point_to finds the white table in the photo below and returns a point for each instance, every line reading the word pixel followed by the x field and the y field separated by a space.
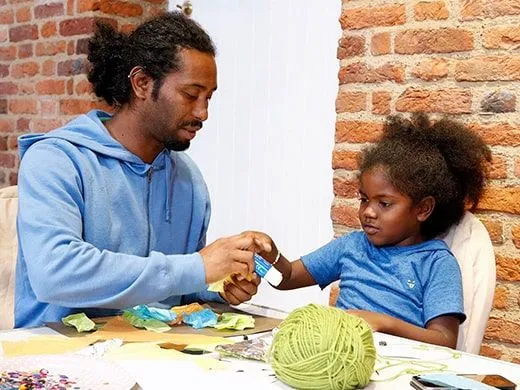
pixel 152 374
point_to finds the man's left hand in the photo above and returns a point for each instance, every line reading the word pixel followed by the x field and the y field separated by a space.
pixel 240 290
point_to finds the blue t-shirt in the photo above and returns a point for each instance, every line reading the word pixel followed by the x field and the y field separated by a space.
pixel 415 283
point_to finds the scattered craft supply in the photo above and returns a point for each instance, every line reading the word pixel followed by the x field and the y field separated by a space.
pixel 180 311
pixel 27 380
pixel 80 321
pixel 254 349
pixel 235 321
pixel 201 319
pixel 148 324
pixel 319 347
pixel 153 313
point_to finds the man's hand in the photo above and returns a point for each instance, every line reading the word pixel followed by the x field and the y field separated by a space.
pixel 262 244
pixel 239 291
pixel 228 256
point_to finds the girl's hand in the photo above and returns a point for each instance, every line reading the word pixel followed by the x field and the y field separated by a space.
pixel 376 321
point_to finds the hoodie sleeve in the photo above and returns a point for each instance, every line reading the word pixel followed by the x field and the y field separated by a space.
pixel 65 270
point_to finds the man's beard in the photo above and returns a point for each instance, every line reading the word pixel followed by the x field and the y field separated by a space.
pixel 176 145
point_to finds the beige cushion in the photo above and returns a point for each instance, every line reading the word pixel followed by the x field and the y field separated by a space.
pixel 8 254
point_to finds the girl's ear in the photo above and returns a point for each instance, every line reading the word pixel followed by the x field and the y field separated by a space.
pixel 425 208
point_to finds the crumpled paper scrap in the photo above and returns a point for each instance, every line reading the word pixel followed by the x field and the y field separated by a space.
pixel 146 312
pixel 201 319
pixel 148 324
pixel 219 286
pixel 181 311
pixel 235 321
pixel 80 321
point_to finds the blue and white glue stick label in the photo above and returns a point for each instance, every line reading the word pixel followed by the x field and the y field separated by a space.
pixel 265 270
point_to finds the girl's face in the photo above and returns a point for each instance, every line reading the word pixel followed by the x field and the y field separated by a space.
pixel 387 216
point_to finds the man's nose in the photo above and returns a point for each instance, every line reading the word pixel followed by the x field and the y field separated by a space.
pixel 201 111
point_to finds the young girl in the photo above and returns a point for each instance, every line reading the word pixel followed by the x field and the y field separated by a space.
pixel 414 184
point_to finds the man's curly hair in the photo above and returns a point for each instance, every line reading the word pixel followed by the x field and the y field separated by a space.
pixel 443 159
pixel 154 45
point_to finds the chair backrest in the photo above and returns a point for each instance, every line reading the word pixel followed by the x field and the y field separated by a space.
pixel 8 254
pixel 470 243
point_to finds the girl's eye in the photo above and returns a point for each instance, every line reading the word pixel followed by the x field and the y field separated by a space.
pixel 385 204
pixel 363 199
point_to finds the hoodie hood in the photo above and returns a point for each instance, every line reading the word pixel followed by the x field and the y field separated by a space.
pixel 88 131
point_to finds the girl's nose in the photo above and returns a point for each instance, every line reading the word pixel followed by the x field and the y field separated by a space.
pixel 369 212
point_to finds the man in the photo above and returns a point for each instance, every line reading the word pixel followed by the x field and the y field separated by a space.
pixel 112 214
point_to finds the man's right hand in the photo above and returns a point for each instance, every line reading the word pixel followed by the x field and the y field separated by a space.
pixel 228 256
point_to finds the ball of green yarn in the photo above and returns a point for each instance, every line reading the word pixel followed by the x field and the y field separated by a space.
pixel 320 347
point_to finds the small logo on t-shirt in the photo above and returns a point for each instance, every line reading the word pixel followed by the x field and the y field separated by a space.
pixel 411 283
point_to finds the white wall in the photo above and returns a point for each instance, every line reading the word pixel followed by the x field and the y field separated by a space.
pixel 266 148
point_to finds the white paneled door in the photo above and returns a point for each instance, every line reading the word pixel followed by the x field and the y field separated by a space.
pixel 266 148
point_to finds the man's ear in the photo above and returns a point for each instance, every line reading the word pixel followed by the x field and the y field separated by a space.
pixel 425 208
pixel 142 83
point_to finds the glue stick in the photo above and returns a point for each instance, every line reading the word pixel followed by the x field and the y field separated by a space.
pixel 265 270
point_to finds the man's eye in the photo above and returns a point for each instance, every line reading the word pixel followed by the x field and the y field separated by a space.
pixel 190 96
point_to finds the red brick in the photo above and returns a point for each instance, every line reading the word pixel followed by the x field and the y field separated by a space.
pixel 3 106
pixel 8 88
pixel 345 187
pixel 515 233
pixel 3 142
pixel 503 330
pixel 48 10
pixel 82 46
pixel 435 10
pixel 6 125
pixel 380 44
pixel 75 106
pixel 445 40
pixel 120 8
pixel 22 33
pixel 50 87
pixel 83 88
pixel 7 159
pixel 4 70
pixel 517 167
pixel 497 133
pixel 351 46
pixel 44 125
pixel 358 131
pixel 26 88
pixel 477 9
pixel 25 50
pixel 23 106
pixel 431 69
pixel 12 142
pixel 72 67
pixel 345 215
pixel 23 15
pixel 450 101
pixel 492 68
pixel 22 125
pixel 495 230
pixel 387 15
pixel 360 72
pixel 504 199
pixel 4 34
pixel 351 101
pixel 488 351
pixel 48 107
pixel 79 26
pixel 50 48
pixel 500 299
pixel 498 101
pixel 346 159
pixel 7 53
pixel 381 102
pixel 48 29
pixel 70 86
pixel 70 47
pixel 87 5
pixel 49 68
pixel 13 178
pixel 24 69
pixel 502 37
pixel 498 168
pixel 128 28
pixel 6 17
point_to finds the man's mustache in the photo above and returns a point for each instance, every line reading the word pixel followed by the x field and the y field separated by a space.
pixel 194 123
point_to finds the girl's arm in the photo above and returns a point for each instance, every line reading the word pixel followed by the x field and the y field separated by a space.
pixel 442 330
pixel 294 273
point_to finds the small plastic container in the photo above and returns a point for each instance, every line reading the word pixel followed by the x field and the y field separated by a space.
pixel 265 270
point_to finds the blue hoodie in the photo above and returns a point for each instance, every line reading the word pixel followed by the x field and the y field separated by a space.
pixel 99 229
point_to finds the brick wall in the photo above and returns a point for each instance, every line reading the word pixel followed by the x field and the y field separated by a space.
pixel 452 57
pixel 43 64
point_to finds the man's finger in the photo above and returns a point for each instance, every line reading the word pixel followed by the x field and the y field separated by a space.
pixel 238 293
pixel 249 288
